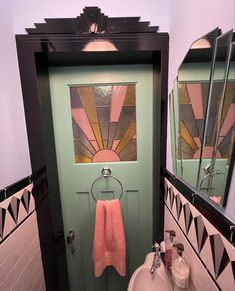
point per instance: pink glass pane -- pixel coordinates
(115, 143)
(195, 95)
(106, 155)
(197, 141)
(81, 119)
(118, 96)
(95, 144)
(229, 120)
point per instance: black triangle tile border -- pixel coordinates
(16, 202)
(179, 205)
(166, 192)
(219, 254)
(172, 196)
(188, 218)
(25, 199)
(13, 208)
(201, 232)
(2, 221)
(233, 269)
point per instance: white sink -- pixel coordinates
(142, 280)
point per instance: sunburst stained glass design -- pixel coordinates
(104, 122)
(192, 111)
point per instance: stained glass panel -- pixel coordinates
(192, 105)
(104, 122)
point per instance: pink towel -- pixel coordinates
(109, 248)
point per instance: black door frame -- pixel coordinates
(62, 42)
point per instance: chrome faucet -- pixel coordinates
(210, 172)
(156, 259)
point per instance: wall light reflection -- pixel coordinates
(99, 45)
(202, 43)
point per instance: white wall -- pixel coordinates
(28, 12)
(14, 154)
(20, 259)
(189, 20)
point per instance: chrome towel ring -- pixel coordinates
(106, 174)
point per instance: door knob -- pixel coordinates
(70, 236)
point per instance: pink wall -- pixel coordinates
(14, 154)
(189, 20)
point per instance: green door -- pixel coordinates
(80, 162)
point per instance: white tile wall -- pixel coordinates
(21, 266)
(201, 279)
(202, 263)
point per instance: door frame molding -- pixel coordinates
(64, 42)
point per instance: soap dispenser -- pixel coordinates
(180, 268)
(169, 249)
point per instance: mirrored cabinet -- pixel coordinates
(202, 105)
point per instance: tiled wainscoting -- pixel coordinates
(211, 256)
(20, 255)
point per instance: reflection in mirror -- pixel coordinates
(193, 85)
(226, 135)
(202, 106)
(213, 164)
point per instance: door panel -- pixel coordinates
(75, 179)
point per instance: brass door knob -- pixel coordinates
(70, 236)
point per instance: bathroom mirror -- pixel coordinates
(190, 93)
(217, 130)
(203, 116)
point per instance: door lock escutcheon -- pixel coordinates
(70, 236)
